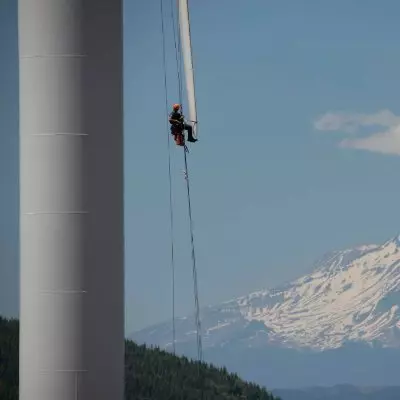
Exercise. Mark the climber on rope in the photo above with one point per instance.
(178, 126)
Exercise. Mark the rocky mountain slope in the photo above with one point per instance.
(352, 296)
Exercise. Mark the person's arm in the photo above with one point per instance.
(174, 120)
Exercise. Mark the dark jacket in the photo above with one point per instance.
(176, 118)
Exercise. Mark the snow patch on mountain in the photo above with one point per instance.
(350, 296)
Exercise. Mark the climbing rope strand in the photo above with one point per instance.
(180, 65)
(171, 211)
(177, 44)
(177, 53)
(194, 268)
(178, 57)
(196, 292)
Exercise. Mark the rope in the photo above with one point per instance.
(171, 211)
(193, 252)
(177, 44)
(194, 269)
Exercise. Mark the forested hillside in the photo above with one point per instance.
(151, 374)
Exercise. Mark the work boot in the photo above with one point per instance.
(192, 139)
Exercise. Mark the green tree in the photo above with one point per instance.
(150, 374)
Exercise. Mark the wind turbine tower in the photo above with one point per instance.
(71, 200)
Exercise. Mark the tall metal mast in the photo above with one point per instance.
(71, 200)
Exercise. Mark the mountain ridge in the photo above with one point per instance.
(339, 323)
(350, 295)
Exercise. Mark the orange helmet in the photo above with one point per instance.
(176, 107)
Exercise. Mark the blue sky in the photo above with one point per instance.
(285, 169)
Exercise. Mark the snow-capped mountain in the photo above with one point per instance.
(351, 296)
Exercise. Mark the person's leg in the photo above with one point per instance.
(190, 133)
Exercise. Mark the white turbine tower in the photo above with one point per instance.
(71, 200)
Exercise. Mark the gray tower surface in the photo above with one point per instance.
(71, 200)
